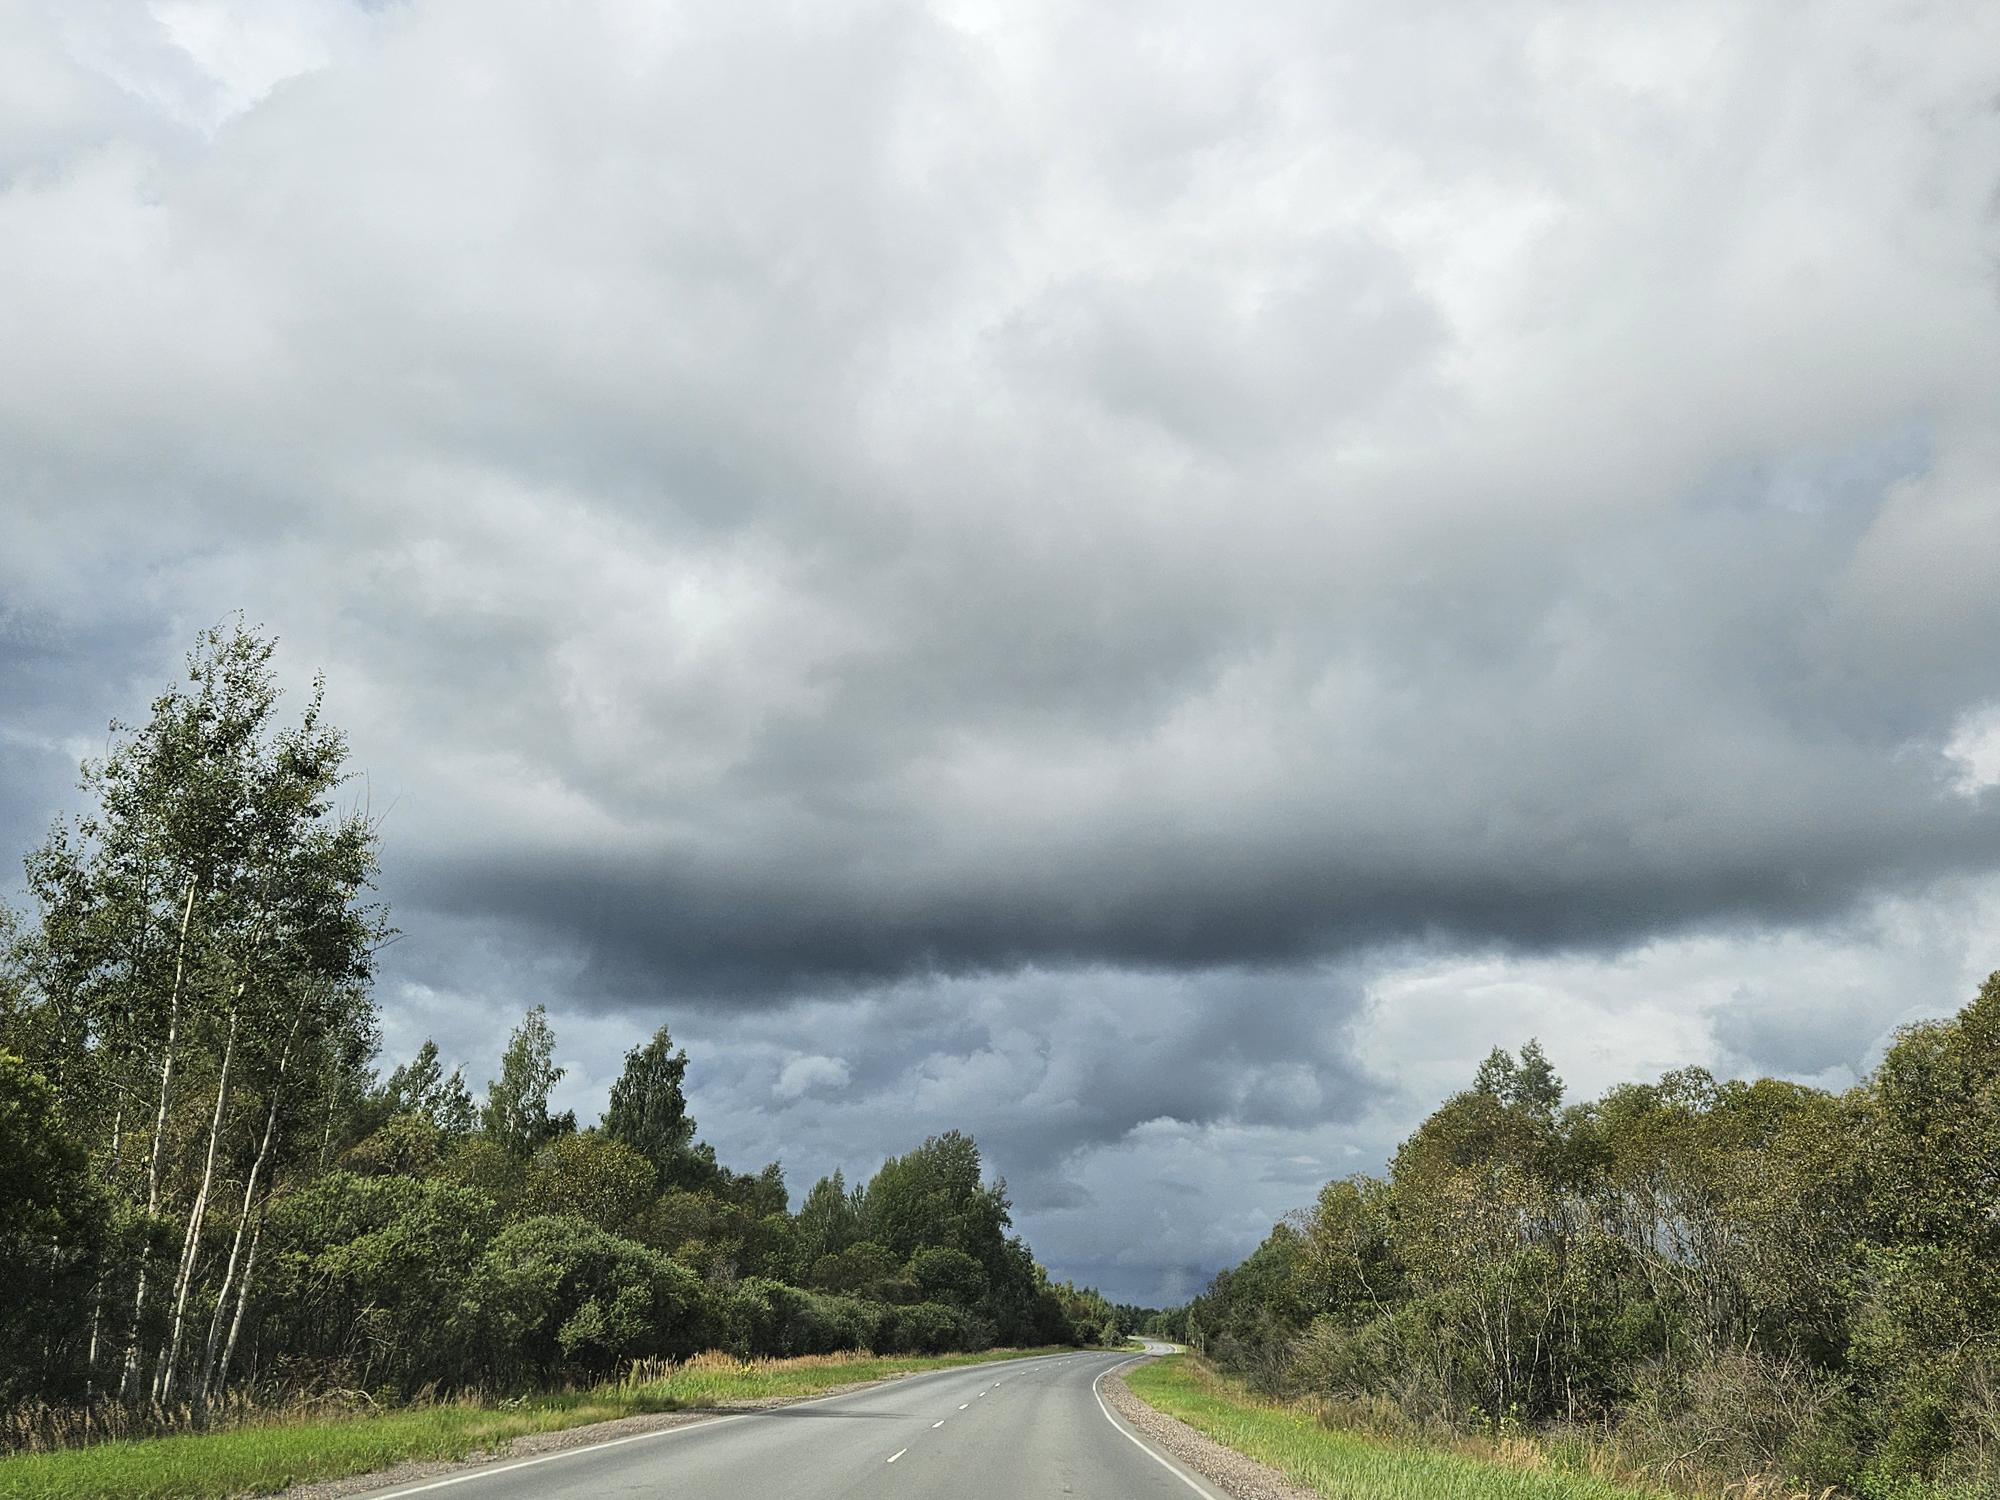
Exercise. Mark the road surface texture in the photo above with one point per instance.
(1016, 1430)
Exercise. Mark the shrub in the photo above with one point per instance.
(53, 1221)
(752, 1314)
(921, 1328)
(829, 1324)
(943, 1274)
(764, 1317)
(367, 1276)
(556, 1294)
(592, 1177)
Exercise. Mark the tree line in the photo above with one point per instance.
(1717, 1278)
(208, 1189)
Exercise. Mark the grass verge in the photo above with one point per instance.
(265, 1458)
(1346, 1465)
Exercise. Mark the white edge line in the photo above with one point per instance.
(529, 1463)
(1143, 1446)
(485, 1472)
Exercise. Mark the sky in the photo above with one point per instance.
(1147, 581)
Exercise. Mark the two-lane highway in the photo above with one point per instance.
(1002, 1431)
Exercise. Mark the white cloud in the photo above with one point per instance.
(995, 522)
(1975, 749)
(810, 1075)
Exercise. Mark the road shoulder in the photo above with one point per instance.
(1231, 1472)
(587, 1435)
(529, 1445)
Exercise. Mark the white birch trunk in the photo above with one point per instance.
(97, 1292)
(242, 1298)
(163, 1382)
(207, 1366)
(130, 1376)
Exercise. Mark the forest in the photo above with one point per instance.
(1706, 1279)
(210, 1193)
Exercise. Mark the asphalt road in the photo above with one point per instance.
(1011, 1430)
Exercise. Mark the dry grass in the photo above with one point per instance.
(39, 1427)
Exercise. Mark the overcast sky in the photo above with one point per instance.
(1146, 580)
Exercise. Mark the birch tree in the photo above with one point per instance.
(189, 917)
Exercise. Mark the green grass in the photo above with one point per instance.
(1345, 1465)
(262, 1459)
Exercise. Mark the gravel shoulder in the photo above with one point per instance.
(1235, 1475)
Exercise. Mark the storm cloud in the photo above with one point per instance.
(1145, 582)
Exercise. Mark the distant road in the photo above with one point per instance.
(1012, 1430)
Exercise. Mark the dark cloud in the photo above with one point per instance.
(1832, 1031)
(58, 712)
(812, 527)
(1109, 1101)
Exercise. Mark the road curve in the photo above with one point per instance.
(1011, 1430)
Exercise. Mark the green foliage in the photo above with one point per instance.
(366, 1279)
(922, 1328)
(827, 1224)
(718, 1236)
(407, 1145)
(1530, 1084)
(53, 1225)
(934, 1196)
(812, 1323)
(483, 1164)
(866, 1270)
(196, 989)
(556, 1295)
(421, 1087)
(769, 1317)
(1927, 1323)
(648, 1111)
(592, 1177)
(944, 1274)
(1765, 1276)
(516, 1113)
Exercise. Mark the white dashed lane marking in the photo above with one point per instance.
(897, 1454)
